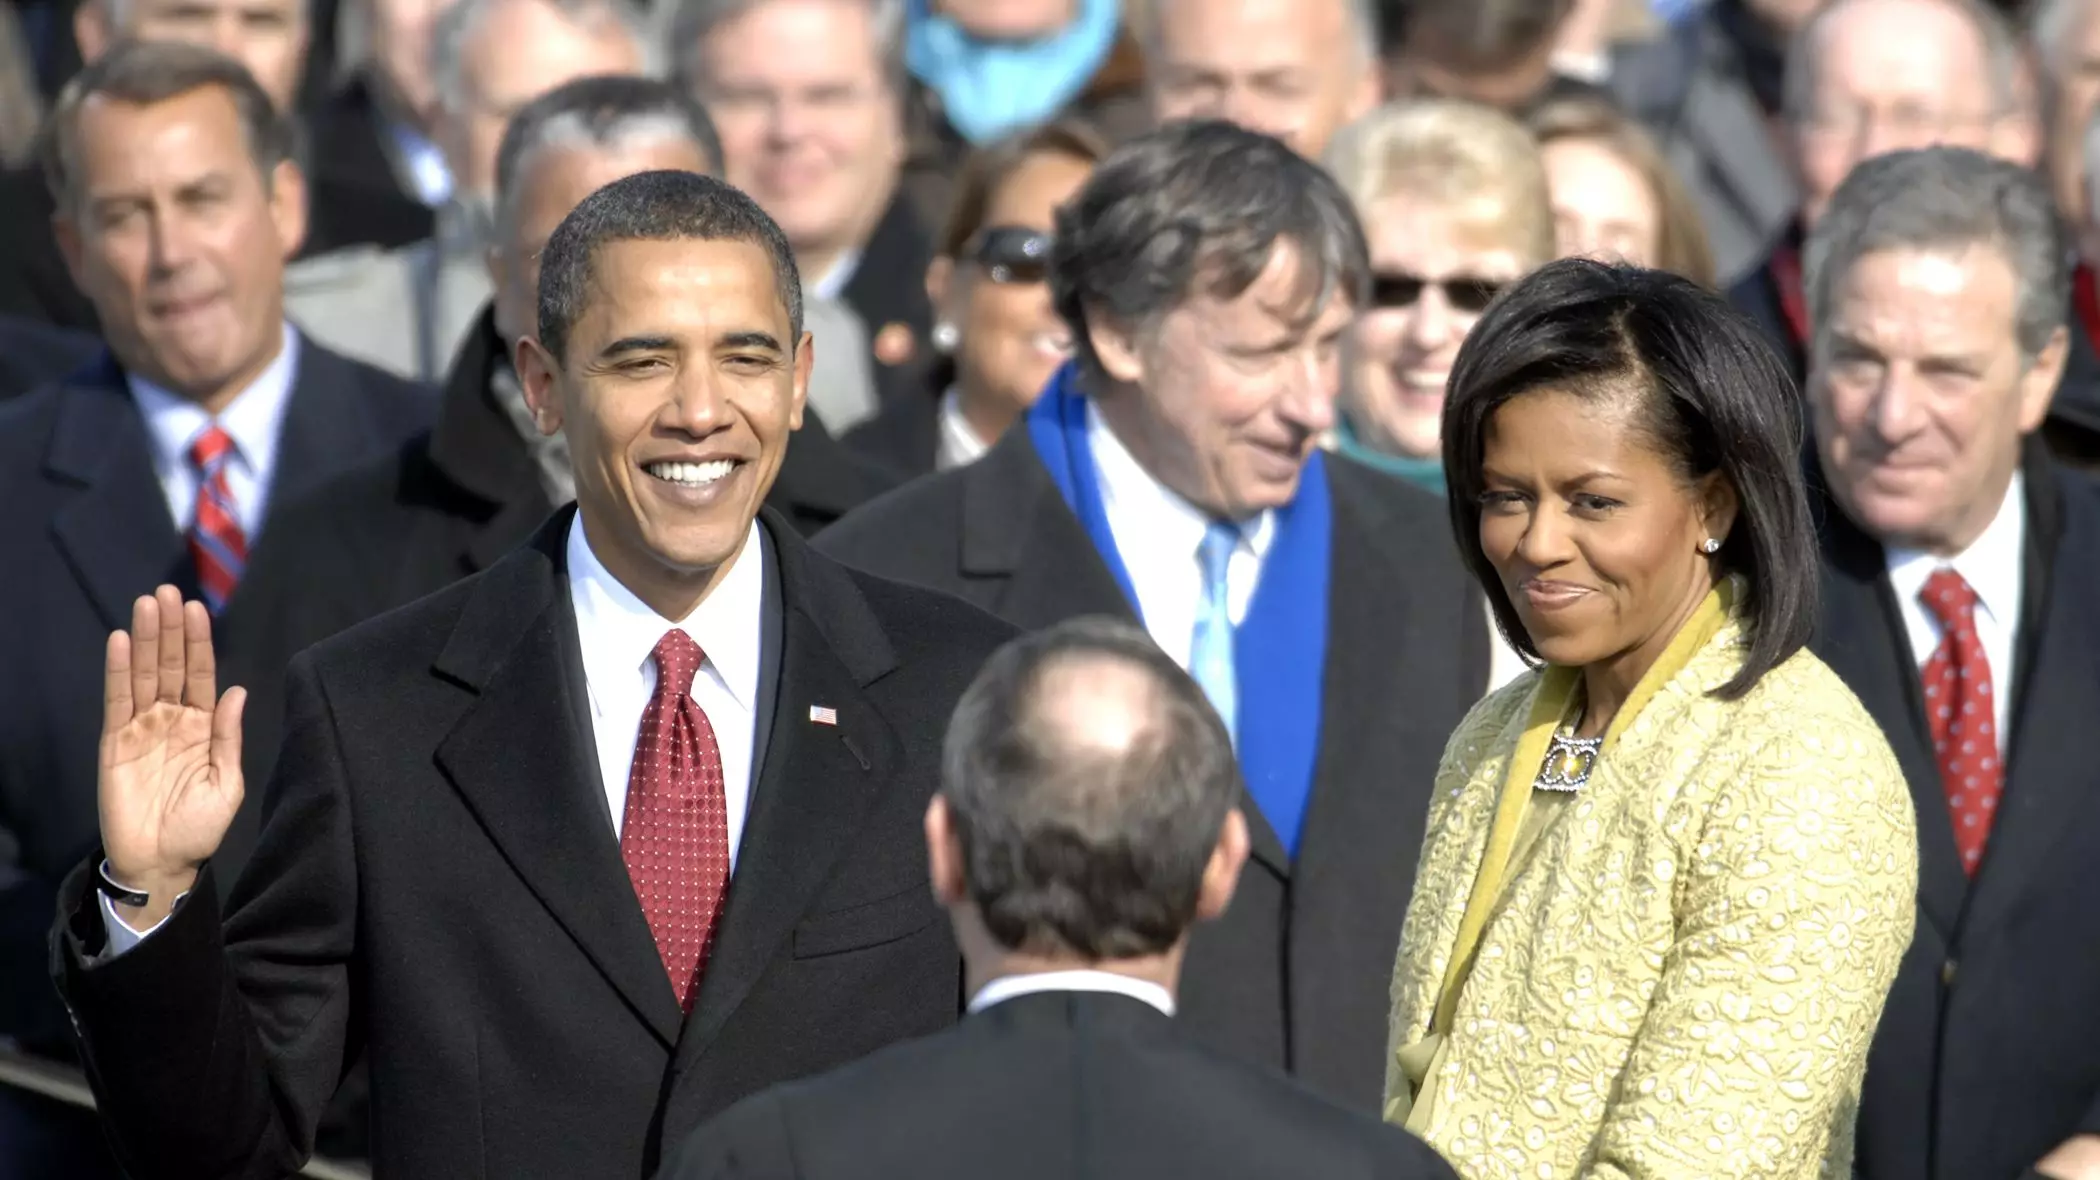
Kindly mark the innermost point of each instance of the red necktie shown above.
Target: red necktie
(675, 836)
(1958, 705)
(217, 544)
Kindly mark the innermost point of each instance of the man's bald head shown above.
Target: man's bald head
(1089, 781)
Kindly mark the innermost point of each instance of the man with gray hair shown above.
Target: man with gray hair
(1172, 475)
(408, 310)
(1087, 820)
(1294, 69)
(1961, 571)
(1870, 76)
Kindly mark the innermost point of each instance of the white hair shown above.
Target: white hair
(457, 26)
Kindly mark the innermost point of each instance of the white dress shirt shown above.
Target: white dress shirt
(425, 164)
(618, 632)
(959, 445)
(833, 281)
(254, 420)
(1158, 534)
(1008, 987)
(1993, 567)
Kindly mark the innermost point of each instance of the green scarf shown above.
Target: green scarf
(1427, 474)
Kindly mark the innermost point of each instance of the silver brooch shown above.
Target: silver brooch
(1569, 760)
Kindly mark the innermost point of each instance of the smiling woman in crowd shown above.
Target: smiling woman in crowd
(1614, 196)
(1669, 872)
(997, 334)
(1453, 199)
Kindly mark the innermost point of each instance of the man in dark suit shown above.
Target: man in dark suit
(1087, 819)
(162, 461)
(454, 501)
(1172, 475)
(1963, 569)
(580, 850)
(32, 353)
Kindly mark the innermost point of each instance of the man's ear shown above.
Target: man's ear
(92, 31)
(66, 232)
(944, 856)
(805, 364)
(539, 373)
(2038, 384)
(1116, 347)
(288, 207)
(1222, 875)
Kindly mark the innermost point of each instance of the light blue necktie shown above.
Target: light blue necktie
(1210, 655)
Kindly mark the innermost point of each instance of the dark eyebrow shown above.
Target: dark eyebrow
(763, 340)
(627, 344)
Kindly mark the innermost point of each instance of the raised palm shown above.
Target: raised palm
(171, 748)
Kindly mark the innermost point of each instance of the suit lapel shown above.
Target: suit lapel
(1864, 642)
(477, 448)
(326, 428)
(117, 534)
(816, 783)
(526, 769)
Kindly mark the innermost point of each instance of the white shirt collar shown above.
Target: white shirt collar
(959, 444)
(254, 419)
(1991, 565)
(834, 280)
(619, 631)
(1129, 492)
(1010, 987)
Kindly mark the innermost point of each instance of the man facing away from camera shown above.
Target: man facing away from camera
(1086, 820)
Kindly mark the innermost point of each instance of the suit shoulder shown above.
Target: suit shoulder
(867, 535)
(402, 641)
(25, 424)
(1326, 1130)
(1395, 513)
(924, 623)
(399, 407)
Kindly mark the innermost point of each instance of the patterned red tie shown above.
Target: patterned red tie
(217, 544)
(675, 836)
(1958, 704)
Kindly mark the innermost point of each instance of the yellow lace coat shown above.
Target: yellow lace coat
(1682, 979)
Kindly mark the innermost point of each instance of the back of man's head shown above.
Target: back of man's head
(1089, 789)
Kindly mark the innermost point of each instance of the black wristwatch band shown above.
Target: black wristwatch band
(115, 892)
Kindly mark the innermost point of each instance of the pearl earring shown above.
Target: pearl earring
(1710, 546)
(946, 336)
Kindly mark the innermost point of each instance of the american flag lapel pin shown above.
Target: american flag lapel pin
(823, 715)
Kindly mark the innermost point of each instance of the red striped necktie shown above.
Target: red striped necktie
(217, 543)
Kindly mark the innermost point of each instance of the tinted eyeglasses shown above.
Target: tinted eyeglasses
(1393, 290)
(1010, 254)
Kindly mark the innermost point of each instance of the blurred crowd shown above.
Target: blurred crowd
(294, 390)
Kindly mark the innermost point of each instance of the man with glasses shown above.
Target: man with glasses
(1172, 475)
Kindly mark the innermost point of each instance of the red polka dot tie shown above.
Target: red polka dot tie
(675, 834)
(1958, 705)
(217, 544)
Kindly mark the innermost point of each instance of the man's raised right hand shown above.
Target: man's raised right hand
(170, 779)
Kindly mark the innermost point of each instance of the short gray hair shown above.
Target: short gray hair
(1947, 199)
(1198, 205)
(117, 10)
(1069, 847)
(1142, 17)
(697, 20)
(457, 25)
(602, 113)
(2003, 56)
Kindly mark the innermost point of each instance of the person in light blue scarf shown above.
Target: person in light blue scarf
(1001, 65)
(1453, 198)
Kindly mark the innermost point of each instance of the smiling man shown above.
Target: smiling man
(1172, 475)
(580, 850)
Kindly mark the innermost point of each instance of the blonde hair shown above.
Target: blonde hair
(1681, 244)
(1455, 153)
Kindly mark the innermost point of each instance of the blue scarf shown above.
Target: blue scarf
(1279, 650)
(989, 88)
(1427, 474)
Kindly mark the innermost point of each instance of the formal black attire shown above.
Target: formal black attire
(1297, 974)
(887, 289)
(447, 504)
(1988, 1054)
(438, 882)
(904, 436)
(1050, 1086)
(32, 353)
(87, 530)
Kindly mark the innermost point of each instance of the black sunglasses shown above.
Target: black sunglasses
(1397, 289)
(1010, 254)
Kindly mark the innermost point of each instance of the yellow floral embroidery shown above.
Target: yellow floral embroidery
(1683, 980)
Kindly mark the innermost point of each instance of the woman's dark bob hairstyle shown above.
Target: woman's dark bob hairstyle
(1713, 396)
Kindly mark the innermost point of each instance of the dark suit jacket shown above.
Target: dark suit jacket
(438, 883)
(1988, 1054)
(448, 504)
(87, 529)
(888, 291)
(904, 436)
(1297, 974)
(32, 353)
(1050, 1086)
